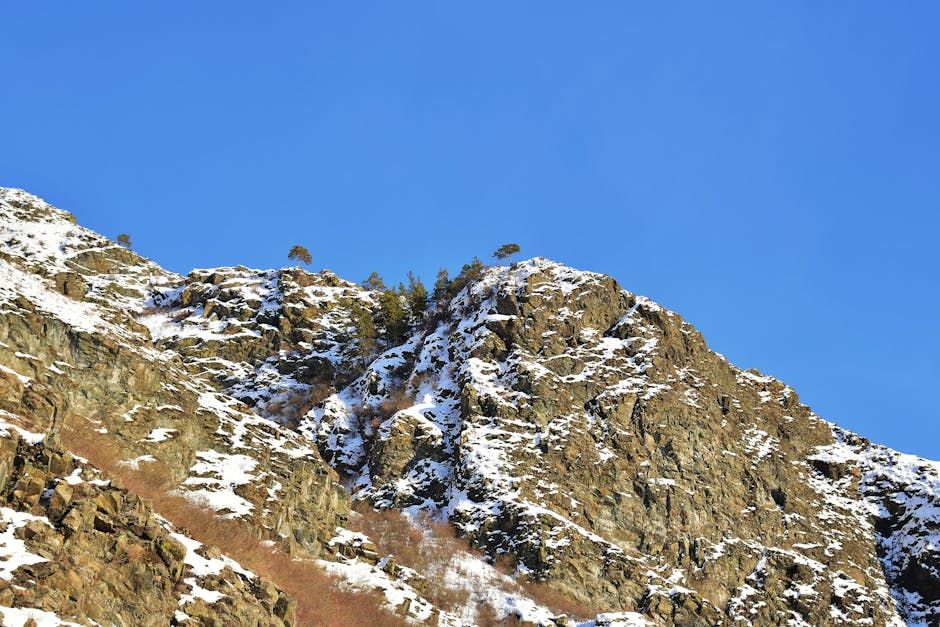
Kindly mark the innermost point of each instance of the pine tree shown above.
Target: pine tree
(469, 273)
(301, 254)
(417, 296)
(441, 286)
(365, 331)
(393, 317)
(506, 251)
(124, 240)
(374, 283)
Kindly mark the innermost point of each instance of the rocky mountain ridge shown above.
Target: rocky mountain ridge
(582, 435)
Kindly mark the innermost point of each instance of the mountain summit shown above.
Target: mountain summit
(227, 448)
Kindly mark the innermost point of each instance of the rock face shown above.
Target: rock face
(580, 433)
(76, 545)
(91, 364)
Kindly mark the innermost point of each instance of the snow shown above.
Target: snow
(198, 592)
(18, 616)
(345, 536)
(21, 377)
(484, 585)
(904, 490)
(74, 478)
(219, 474)
(78, 315)
(201, 567)
(6, 427)
(160, 434)
(488, 456)
(357, 575)
(758, 443)
(482, 466)
(13, 551)
(39, 241)
(618, 619)
(135, 462)
(204, 567)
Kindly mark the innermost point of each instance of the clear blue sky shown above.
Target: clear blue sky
(769, 170)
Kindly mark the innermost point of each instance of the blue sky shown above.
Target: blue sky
(769, 170)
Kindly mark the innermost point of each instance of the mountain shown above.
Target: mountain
(225, 448)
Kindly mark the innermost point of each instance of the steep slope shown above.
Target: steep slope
(592, 436)
(89, 353)
(577, 433)
(73, 353)
(274, 339)
(77, 545)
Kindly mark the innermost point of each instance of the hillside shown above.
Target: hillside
(598, 463)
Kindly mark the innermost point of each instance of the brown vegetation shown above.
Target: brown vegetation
(556, 601)
(486, 617)
(396, 401)
(319, 602)
(430, 552)
(297, 403)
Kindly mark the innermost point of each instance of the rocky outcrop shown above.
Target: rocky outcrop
(273, 339)
(580, 434)
(75, 546)
(591, 435)
(90, 365)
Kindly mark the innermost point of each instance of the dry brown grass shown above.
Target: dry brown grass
(486, 617)
(542, 593)
(318, 601)
(428, 554)
(296, 405)
(138, 553)
(396, 401)
(557, 601)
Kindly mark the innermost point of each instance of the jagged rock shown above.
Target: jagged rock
(110, 572)
(579, 431)
(71, 284)
(592, 435)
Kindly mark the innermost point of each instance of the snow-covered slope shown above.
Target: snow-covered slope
(579, 434)
(591, 435)
(101, 368)
(900, 498)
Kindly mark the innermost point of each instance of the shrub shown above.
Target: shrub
(392, 317)
(486, 617)
(429, 547)
(441, 287)
(365, 331)
(556, 600)
(417, 297)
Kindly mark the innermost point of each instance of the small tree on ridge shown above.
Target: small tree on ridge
(301, 254)
(441, 287)
(374, 283)
(506, 251)
(417, 297)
